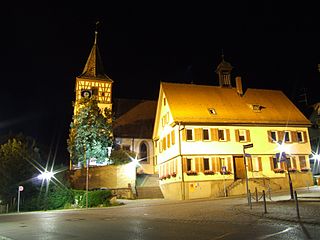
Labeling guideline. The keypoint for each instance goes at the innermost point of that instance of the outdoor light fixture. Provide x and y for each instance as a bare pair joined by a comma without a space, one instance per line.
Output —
46,175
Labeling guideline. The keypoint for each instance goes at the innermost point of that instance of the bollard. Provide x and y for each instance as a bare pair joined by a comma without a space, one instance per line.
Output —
250,203
297,204
256,190
264,201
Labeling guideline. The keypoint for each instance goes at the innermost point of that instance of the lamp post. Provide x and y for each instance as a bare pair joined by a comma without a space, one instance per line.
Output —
290,182
246,168
283,158
87,175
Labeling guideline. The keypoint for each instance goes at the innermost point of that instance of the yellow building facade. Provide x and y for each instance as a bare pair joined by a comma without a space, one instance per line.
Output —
200,133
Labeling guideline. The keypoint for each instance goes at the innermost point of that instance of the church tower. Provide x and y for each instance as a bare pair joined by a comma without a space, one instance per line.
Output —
224,72
93,81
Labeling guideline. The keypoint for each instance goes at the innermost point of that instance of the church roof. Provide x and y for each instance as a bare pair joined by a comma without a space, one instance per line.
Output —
137,122
201,104
94,66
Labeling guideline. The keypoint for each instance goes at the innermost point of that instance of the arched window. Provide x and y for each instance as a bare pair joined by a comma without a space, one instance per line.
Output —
143,151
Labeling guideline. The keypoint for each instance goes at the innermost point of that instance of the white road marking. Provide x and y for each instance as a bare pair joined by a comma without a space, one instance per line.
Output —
274,234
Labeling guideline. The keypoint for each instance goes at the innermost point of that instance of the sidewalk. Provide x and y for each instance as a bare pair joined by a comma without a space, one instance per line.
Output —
281,207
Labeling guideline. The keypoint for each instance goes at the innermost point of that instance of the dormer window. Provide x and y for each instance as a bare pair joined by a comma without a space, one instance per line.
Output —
212,111
256,107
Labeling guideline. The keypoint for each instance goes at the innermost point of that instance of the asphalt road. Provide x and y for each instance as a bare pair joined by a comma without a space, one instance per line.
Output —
154,219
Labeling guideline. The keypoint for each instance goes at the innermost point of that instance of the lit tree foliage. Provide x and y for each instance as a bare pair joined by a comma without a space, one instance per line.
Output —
90,133
16,153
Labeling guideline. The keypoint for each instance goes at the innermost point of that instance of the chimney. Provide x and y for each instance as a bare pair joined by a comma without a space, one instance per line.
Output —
239,86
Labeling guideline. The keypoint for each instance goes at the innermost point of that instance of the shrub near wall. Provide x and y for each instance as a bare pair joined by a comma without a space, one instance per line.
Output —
96,198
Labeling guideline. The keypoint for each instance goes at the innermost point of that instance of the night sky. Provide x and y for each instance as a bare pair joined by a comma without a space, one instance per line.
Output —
271,45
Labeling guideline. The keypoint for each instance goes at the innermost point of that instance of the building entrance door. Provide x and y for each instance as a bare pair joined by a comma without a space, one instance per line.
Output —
239,170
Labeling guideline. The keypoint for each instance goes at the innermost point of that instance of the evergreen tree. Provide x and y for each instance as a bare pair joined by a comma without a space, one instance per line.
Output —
90,133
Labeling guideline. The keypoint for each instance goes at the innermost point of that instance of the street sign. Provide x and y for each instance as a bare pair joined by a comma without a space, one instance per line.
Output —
248,146
20,188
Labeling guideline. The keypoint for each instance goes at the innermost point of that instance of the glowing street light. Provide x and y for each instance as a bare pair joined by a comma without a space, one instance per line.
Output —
46,175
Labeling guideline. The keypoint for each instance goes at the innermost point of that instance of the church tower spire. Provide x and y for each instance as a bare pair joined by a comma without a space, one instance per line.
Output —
224,72
93,82
94,66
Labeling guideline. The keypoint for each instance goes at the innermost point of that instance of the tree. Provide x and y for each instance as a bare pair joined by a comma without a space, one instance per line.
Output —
90,133
119,156
16,153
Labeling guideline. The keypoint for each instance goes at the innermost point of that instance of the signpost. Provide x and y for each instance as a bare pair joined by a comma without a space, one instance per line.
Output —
246,167
20,189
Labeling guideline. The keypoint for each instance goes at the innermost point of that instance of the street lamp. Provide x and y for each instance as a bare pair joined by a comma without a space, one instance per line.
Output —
46,175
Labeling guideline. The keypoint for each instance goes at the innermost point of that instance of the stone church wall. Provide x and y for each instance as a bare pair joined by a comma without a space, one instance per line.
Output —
119,178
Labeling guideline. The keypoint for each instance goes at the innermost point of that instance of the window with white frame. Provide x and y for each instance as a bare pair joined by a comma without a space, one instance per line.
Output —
224,163
206,164
205,134
300,136
242,135
222,134
302,161
255,164
190,134
287,136
189,164
273,135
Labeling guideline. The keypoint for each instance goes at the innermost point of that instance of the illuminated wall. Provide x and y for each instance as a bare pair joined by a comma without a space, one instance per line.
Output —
102,89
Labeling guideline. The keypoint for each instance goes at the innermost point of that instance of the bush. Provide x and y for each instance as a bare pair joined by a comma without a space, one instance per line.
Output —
99,197
95,198
58,197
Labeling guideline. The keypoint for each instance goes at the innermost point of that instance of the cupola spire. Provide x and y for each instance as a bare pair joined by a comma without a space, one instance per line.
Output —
224,72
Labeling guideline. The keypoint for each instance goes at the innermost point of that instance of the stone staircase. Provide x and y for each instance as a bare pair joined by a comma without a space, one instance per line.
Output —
148,186
233,185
